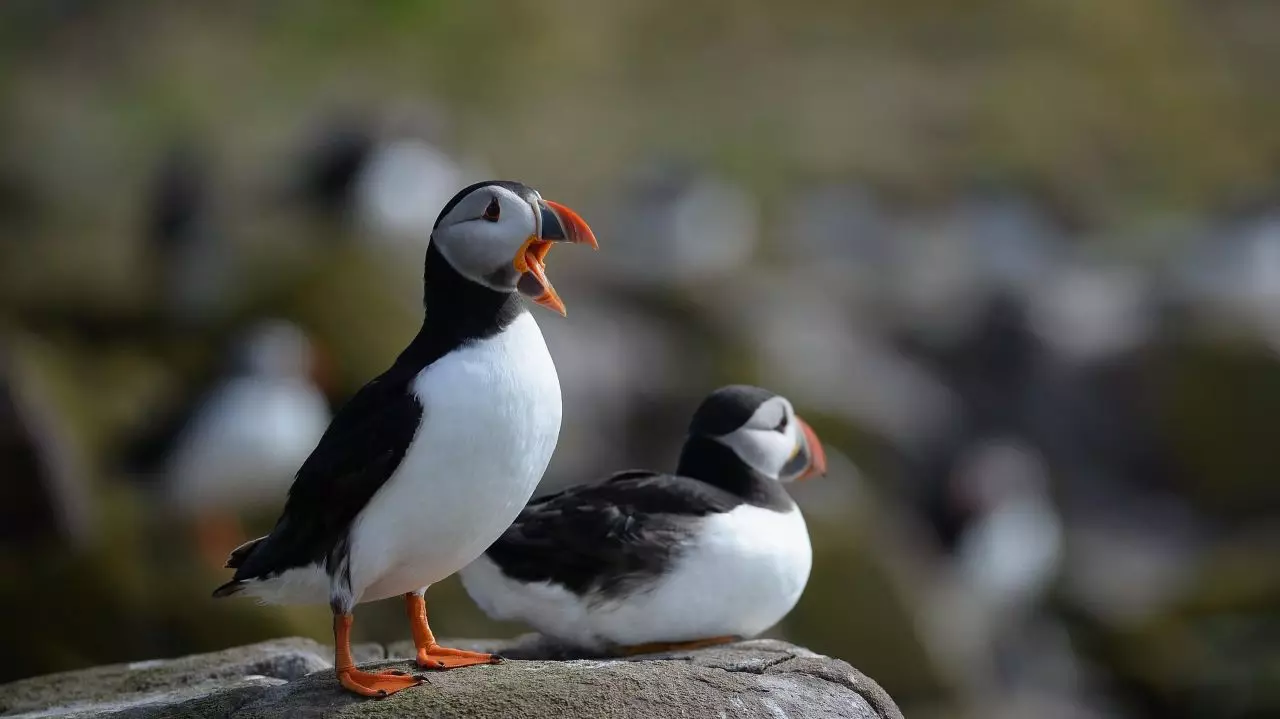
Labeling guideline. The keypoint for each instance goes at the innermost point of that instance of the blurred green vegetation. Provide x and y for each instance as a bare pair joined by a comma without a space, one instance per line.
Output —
1124,110
1119,106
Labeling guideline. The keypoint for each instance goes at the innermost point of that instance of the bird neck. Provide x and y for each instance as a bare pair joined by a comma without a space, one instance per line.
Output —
710,461
457,311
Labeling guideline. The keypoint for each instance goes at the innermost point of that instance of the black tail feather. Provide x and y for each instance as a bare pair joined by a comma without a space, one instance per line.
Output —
235,561
234,586
242,552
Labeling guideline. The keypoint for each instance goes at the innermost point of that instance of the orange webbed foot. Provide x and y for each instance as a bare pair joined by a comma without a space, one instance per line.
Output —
438,657
377,684
661,647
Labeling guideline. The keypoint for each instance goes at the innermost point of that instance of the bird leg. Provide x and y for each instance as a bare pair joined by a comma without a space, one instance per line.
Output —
430,654
659,647
367,684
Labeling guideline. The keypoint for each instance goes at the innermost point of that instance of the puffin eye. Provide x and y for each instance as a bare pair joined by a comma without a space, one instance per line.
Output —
493,211
782,424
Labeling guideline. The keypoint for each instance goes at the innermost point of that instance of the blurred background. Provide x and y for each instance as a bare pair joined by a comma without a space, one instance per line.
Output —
1018,262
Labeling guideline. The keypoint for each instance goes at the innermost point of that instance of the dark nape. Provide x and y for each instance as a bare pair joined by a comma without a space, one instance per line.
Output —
458,311
710,461
727,409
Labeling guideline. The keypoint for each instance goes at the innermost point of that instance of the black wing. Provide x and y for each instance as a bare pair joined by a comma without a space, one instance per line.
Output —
607,537
358,453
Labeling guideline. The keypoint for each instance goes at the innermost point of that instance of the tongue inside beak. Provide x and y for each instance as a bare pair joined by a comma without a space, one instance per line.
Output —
532,263
557,223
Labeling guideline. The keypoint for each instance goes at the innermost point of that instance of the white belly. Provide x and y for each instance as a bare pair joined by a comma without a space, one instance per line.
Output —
743,572
491,418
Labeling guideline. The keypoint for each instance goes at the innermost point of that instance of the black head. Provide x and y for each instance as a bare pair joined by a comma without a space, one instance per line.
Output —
497,234
762,429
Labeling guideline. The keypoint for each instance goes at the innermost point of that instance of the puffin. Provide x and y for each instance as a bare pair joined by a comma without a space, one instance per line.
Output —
650,561
680,223
238,444
427,464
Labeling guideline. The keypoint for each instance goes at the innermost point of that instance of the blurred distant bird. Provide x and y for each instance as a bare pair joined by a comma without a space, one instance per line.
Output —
996,373
1233,272
647,561
237,447
989,240
1003,552
623,360
1089,313
42,496
430,461
1009,542
386,186
847,370
1014,238
194,260
677,223
841,224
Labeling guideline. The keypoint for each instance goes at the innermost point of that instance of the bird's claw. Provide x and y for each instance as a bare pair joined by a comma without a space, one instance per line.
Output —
377,685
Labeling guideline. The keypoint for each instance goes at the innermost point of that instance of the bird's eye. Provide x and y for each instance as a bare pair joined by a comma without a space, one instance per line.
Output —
493,211
782,424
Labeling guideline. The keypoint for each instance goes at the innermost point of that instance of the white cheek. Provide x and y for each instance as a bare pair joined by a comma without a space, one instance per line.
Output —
491,248
481,249
765,450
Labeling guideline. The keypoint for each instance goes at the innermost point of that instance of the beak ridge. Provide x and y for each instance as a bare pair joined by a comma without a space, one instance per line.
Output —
817,455
556,223
560,224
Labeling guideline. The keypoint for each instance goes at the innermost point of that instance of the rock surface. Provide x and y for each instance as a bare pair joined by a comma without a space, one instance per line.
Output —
291,678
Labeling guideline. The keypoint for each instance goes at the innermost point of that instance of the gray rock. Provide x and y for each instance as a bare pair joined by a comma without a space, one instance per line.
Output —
164,682
292,678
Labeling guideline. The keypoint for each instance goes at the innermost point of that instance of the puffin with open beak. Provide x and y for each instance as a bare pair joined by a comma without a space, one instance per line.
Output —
431,461
647,561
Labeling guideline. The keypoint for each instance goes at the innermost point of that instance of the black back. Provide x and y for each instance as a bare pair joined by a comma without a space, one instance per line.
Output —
369,436
610,538
330,169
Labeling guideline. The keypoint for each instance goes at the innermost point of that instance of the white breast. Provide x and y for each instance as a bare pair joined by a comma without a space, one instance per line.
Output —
741,574
491,418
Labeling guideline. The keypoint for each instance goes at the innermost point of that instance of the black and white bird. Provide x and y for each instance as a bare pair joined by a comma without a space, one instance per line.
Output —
679,223
431,461
384,184
237,444
647,561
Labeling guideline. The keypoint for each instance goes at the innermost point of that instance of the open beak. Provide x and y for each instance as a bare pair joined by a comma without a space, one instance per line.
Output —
556,223
813,448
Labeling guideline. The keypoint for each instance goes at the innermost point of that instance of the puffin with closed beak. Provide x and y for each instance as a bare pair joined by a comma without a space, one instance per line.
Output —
431,461
648,561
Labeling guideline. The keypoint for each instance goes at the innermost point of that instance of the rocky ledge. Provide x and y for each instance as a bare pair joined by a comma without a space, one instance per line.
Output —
292,679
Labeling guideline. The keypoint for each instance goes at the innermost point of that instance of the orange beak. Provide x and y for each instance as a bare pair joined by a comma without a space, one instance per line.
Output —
817,455
557,223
